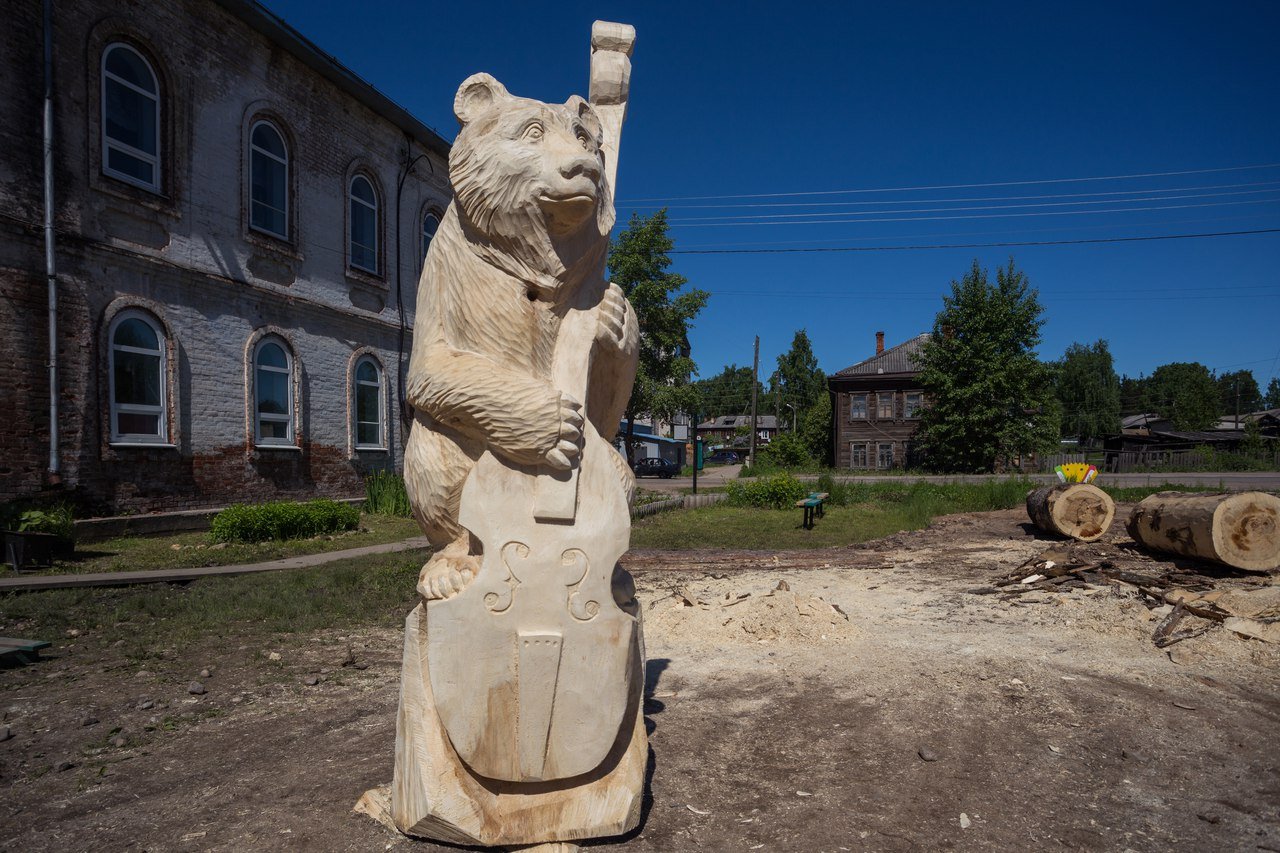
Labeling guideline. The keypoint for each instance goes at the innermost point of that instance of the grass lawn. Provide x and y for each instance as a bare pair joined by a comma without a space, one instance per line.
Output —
763,529
188,550
147,619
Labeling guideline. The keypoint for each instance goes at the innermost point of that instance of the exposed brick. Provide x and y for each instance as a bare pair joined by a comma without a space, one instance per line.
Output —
187,255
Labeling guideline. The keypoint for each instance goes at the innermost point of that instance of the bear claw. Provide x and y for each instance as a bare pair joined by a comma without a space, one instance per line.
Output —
444,577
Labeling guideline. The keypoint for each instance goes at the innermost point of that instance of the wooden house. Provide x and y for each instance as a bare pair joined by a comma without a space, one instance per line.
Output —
876,407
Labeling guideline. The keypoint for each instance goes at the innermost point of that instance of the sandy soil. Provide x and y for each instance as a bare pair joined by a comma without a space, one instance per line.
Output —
883,699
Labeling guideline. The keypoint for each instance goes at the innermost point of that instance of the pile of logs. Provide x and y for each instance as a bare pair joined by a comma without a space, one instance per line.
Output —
1240,529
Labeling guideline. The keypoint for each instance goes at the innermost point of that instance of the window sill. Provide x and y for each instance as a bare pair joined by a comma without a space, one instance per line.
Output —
156,445
291,448
355,275
370,448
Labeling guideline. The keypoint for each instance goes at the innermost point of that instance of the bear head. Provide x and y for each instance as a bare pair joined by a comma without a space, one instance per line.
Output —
529,182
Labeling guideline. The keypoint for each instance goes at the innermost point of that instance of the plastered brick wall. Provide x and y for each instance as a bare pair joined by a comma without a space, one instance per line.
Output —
187,256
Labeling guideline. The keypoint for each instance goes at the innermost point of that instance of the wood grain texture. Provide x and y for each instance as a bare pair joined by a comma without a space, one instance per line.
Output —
1240,529
1079,510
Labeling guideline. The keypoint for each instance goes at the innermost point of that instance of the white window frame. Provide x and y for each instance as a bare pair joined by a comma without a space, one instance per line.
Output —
379,383
866,410
881,398
866,454
288,419
161,410
351,242
908,411
107,142
426,239
254,149
881,445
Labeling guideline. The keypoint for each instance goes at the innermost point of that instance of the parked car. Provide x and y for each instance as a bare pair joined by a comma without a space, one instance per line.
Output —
724,457
655,467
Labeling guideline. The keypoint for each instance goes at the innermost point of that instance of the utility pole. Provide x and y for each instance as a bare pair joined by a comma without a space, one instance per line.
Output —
755,385
694,426
1237,401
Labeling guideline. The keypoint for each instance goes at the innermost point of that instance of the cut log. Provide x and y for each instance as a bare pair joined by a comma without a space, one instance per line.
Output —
1240,529
1078,510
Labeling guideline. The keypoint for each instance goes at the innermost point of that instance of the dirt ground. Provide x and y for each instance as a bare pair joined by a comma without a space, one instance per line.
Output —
889,697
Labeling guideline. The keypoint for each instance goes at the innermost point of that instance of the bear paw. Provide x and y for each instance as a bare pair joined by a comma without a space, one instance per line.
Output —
445,575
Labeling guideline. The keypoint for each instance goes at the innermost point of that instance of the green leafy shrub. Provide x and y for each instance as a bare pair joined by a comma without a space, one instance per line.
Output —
786,450
57,520
779,491
385,494
282,520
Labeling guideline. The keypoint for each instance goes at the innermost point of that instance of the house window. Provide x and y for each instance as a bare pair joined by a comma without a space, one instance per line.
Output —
884,455
130,118
857,455
268,181
884,406
136,376
858,407
367,404
272,393
914,402
430,224
364,225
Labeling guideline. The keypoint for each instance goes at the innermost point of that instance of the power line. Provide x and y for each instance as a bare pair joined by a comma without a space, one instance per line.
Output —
930,200
818,249
963,186
974,216
731,218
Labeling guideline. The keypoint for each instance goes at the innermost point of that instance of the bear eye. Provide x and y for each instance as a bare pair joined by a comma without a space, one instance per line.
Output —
533,132
584,139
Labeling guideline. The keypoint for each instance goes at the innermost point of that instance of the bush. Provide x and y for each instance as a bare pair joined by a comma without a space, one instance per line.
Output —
786,450
56,520
779,491
385,494
282,520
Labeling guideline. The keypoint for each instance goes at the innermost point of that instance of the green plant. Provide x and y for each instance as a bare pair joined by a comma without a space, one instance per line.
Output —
779,491
282,520
385,494
786,450
56,520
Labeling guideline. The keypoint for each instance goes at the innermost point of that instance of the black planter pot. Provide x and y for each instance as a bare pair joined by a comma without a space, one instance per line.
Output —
29,550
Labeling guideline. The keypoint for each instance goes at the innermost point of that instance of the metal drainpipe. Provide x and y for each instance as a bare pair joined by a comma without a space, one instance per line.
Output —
50,267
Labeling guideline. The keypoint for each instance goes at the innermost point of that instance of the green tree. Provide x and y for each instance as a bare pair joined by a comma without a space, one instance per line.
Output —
638,263
798,381
1132,395
786,450
815,430
729,393
1238,392
1089,392
1272,400
992,398
1185,393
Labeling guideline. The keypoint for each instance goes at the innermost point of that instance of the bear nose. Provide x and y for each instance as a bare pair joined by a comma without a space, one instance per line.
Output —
581,165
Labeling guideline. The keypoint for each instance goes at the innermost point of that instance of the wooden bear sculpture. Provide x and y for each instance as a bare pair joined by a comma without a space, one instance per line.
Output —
519,717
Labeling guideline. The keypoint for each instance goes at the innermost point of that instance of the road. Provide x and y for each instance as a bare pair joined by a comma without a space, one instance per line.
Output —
1228,480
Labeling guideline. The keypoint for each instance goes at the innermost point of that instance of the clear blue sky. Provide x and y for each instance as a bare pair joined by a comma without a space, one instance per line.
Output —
757,99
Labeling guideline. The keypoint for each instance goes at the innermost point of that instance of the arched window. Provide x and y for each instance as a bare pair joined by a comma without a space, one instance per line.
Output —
367,404
272,392
130,117
364,225
430,224
268,180
136,375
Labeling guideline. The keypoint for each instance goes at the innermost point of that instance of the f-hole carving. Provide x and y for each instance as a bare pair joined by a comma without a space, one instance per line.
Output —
499,600
576,564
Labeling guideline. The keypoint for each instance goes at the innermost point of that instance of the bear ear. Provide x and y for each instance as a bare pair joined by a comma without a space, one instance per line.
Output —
587,114
477,93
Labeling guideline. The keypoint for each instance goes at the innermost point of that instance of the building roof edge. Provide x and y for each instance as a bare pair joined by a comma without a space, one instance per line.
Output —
326,65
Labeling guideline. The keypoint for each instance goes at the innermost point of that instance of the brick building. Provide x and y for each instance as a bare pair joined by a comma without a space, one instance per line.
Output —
240,222
876,406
